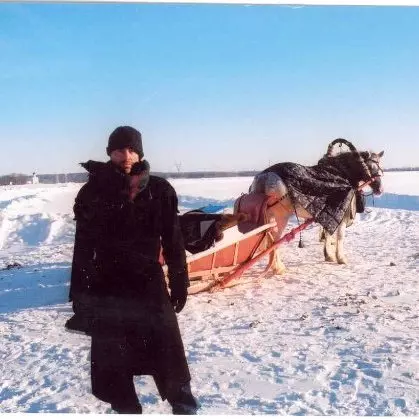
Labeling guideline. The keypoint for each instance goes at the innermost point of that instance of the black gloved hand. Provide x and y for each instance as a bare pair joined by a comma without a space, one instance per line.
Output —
178,296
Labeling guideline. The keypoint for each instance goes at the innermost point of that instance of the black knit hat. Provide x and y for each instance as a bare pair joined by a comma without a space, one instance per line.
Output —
123,137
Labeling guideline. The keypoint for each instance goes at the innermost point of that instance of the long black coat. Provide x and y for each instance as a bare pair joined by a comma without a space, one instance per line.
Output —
117,283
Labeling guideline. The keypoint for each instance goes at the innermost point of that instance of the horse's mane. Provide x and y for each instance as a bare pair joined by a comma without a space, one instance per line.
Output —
350,156
348,162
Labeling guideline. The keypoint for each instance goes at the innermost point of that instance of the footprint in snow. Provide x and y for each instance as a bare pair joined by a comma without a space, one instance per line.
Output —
250,357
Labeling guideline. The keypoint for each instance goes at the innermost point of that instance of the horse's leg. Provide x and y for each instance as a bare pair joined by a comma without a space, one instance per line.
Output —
322,234
329,249
278,266
348,219
340,237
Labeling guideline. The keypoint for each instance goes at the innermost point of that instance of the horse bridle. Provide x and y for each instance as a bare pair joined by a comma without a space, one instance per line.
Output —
370,177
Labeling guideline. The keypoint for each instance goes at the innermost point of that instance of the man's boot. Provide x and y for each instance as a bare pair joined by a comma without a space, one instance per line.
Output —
127,409
182,401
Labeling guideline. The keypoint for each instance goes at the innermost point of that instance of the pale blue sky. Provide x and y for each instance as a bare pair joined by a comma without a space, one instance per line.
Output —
215,87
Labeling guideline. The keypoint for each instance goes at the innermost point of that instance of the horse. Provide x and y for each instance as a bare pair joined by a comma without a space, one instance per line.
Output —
333,243
324,192
357,205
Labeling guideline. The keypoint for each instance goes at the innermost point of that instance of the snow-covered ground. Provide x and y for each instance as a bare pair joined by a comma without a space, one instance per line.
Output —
322,339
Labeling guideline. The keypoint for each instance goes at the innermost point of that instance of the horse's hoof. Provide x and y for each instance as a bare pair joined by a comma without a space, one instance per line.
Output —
330,259
343,261
279,271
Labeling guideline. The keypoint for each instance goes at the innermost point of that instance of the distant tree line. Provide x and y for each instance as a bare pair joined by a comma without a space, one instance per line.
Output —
403,169
14,178
21,179
196,175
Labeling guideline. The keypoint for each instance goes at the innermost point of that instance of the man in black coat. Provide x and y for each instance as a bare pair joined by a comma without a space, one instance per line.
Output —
124,216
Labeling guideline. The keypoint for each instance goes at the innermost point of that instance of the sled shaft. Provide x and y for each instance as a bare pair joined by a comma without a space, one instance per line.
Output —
285,238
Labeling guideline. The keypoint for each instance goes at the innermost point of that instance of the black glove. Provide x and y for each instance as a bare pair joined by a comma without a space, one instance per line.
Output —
83,314
178,296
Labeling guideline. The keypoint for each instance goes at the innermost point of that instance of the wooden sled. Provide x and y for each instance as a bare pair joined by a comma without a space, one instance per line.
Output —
218,266
209,268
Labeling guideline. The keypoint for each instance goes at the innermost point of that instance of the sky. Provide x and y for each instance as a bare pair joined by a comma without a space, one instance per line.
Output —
210,86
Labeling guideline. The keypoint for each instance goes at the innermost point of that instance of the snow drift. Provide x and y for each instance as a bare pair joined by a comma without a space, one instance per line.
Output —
322,339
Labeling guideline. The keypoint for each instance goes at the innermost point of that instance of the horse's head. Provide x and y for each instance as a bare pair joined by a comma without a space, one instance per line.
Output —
360,167
374,171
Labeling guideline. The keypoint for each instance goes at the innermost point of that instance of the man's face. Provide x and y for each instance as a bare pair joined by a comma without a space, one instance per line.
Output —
124,158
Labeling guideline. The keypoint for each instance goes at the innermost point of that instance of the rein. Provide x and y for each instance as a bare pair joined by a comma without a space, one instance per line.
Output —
372,178
360,187
367,182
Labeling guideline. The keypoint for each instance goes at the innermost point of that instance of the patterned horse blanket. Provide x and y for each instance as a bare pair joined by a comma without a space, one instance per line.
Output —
324,190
